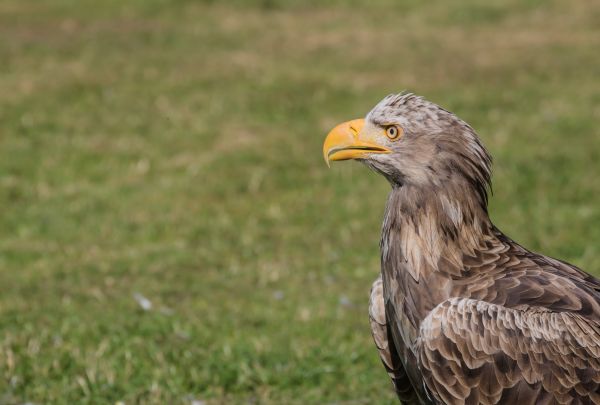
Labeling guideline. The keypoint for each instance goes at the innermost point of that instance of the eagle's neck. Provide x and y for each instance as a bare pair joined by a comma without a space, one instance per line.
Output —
426,237
432,229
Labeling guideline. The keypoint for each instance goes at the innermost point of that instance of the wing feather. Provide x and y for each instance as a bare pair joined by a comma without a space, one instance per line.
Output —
385,345
470,349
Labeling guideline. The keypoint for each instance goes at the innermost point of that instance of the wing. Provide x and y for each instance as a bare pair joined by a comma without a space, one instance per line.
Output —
471,351
385,346
505,273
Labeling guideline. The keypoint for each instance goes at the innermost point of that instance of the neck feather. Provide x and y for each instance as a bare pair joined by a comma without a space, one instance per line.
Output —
435,227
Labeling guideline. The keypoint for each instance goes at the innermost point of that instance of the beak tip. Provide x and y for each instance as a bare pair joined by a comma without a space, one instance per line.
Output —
326,157
344,134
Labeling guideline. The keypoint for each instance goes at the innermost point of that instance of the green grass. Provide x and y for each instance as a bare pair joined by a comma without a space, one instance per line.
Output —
173,150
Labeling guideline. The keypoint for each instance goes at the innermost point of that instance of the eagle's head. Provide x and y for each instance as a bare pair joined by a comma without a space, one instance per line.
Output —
414,142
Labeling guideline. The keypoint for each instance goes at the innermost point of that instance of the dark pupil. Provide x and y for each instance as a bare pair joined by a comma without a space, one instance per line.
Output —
392,131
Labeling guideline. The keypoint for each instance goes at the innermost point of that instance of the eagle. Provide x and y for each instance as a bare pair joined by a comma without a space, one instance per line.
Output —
460,312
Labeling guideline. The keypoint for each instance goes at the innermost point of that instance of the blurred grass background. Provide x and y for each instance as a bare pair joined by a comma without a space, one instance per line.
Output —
166,155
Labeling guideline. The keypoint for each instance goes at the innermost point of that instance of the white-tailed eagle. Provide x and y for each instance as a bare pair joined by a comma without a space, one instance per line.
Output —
461,313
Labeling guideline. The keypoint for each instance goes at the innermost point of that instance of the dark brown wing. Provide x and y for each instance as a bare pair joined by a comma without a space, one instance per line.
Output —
471,351
385,346
506,274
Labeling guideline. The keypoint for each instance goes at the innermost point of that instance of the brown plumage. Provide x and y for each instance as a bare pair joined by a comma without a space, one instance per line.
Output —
461,313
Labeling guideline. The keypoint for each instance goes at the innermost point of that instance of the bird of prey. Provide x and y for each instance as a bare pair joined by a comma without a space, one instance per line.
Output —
461,313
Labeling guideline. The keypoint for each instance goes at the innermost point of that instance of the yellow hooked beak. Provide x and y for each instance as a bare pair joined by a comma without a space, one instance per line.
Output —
346,142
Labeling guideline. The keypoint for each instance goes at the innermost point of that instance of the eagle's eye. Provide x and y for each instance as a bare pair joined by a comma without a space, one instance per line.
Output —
392,132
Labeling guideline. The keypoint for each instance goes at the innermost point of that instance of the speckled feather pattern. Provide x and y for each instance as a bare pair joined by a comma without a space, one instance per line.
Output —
462,313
